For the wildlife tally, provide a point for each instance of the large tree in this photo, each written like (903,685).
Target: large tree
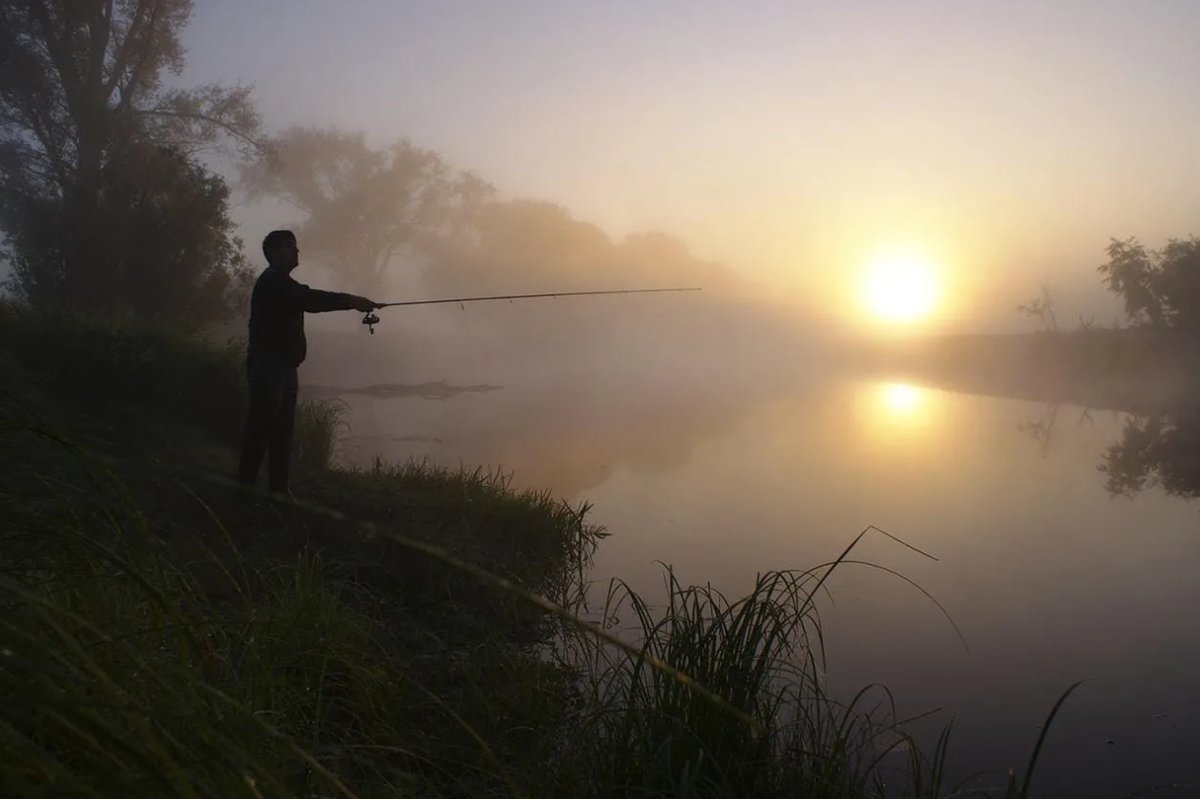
(364,207)
(82,104)
(1160,288)
(163,235)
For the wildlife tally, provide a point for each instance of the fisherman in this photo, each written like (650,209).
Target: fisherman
(277,347)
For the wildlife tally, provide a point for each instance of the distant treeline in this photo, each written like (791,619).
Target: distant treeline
(107,209)
(1133,369)
(1151,365)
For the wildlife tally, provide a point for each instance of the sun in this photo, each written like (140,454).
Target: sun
(900,289)
(900,399)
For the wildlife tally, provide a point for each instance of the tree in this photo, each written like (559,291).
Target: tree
(81,100)
(522,243)
(1160,288)
(1042,308)
(164,236)
(1178,282)
(364,207)
(533,244)
(1130,273)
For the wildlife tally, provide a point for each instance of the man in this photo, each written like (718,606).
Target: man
(277,348)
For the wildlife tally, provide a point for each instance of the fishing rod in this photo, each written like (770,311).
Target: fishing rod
(371,319)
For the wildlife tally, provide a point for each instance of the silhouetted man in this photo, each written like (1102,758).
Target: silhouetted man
(277,348)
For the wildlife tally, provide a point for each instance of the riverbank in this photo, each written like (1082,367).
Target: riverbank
(166,634)
(400,631)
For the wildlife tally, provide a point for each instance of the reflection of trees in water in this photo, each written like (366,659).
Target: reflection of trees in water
(1161,449)
(1041,429)
(1157,449)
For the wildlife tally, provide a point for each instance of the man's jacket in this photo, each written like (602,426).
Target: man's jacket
(277,308)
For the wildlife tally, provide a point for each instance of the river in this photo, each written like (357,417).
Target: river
(1048,576)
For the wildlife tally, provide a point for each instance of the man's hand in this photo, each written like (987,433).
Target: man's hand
(363,305)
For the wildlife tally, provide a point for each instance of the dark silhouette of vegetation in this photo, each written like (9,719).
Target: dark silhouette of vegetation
(162,251)
(102,205)
(1042,308)
(1160,288)
(1161,449)
(364,207)
(1042,429)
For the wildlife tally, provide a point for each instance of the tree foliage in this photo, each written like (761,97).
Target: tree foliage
(523,245)
(364,207)
(163,238)
(1159,288)
(537,245)
(82,108)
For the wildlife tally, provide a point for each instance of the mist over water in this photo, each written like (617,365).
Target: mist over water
(948,288)
(759,449)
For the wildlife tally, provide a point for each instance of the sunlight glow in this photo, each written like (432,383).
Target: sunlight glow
(900,399)
(899,289)
(899,415)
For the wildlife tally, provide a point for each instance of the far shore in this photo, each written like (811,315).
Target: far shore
(1133,370)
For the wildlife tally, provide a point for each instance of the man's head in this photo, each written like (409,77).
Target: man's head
(280,248)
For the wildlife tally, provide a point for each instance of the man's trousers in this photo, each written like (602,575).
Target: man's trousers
(269,422)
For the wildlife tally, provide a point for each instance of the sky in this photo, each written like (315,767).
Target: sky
(999,144)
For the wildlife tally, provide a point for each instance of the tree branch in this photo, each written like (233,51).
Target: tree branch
(121,59)
(232,130)
(135,74)
(60,56)
(99,31)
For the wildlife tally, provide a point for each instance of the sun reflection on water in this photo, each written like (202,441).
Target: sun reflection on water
(900,399)
(899,414)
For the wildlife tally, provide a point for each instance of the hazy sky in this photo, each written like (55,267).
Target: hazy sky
(1004,141)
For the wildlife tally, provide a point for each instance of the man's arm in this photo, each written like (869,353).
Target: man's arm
(317,301)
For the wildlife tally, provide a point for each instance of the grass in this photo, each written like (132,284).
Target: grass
(408,631)
(652,734)
(142,658)
(315,437)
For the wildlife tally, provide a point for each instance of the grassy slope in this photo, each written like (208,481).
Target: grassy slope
(167,634)
(163,634)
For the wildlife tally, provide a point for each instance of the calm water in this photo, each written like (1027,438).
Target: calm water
(1049,578)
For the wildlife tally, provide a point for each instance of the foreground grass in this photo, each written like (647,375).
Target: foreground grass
(408,631)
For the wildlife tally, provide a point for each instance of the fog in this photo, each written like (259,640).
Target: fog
(926,281)
(787,142)
(1026,421)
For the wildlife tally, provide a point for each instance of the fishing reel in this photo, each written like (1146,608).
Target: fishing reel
(370,320)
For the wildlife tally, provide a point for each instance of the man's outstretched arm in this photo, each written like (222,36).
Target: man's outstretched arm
(317,301)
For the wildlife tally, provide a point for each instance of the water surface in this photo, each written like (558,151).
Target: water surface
(1048,576)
